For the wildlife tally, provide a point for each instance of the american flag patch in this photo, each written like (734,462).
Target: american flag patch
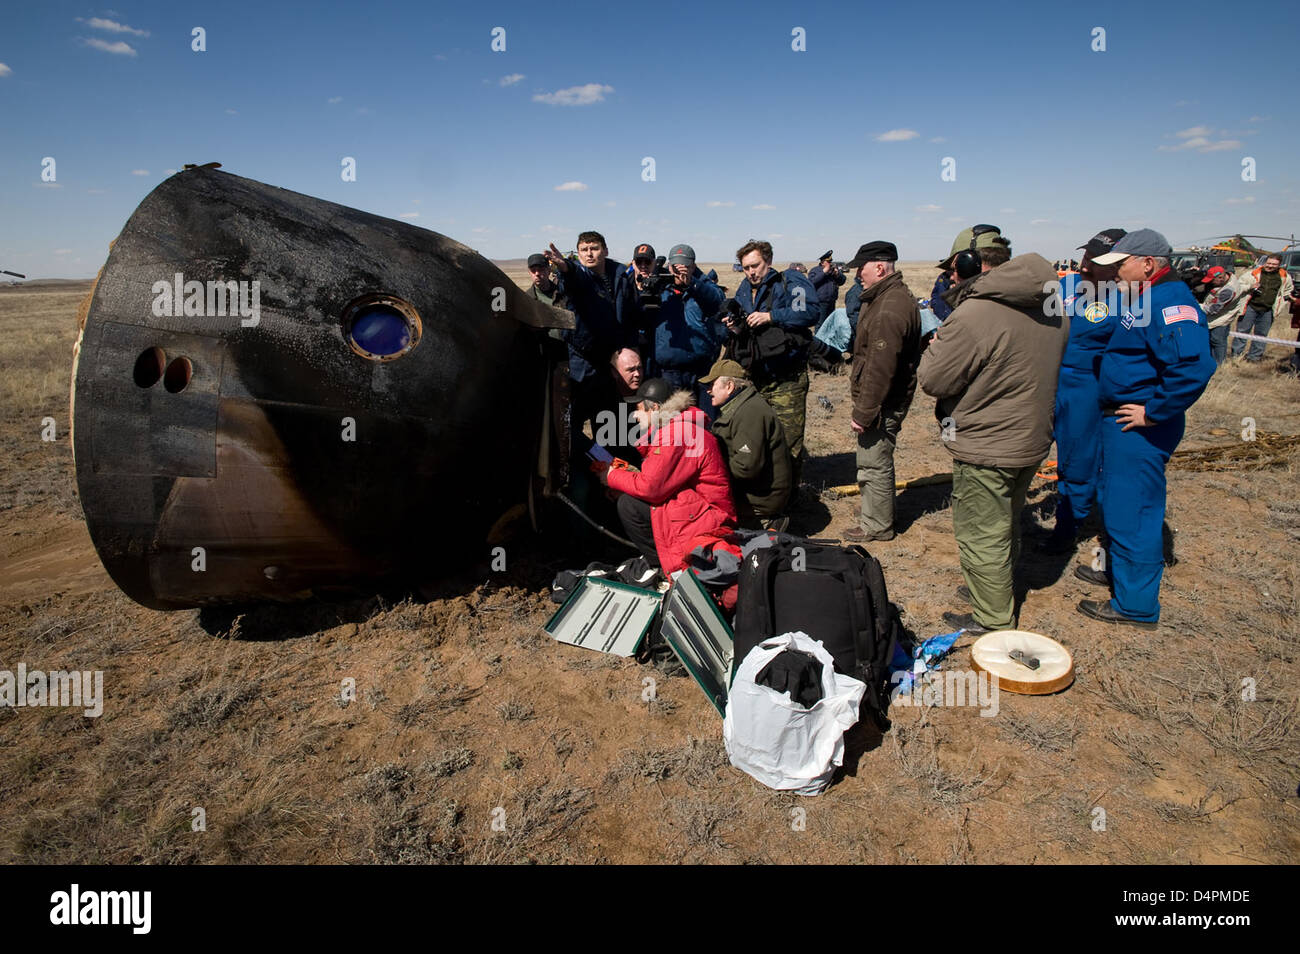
(1179,313)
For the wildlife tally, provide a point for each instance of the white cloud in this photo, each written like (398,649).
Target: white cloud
(481,230)
(169,172)
(1039,221)
(715,204)
(48,185)
(1258,119)
(929,208)
(1248,200)
(364,111)
(897,135)
(571,187)
(776,235)
(510,80)
(232,112)
(4,70)
(139,172)
(63,251)
(939,139)
(610,204)
(111,26)
(762,207)
(409,215)
(1195,138)
(1006,211)
(575,95)
(121,48)
(334,100)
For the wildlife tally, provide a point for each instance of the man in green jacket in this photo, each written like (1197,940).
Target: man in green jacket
(754,446)
(993,366)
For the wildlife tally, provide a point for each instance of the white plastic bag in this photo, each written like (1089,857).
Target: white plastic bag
(778,741)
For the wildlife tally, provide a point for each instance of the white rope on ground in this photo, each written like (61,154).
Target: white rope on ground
(1281,341)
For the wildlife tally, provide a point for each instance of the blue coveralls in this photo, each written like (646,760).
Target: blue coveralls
(1158,356)
(1093,311)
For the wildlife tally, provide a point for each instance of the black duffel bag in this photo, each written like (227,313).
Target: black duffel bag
(836,595)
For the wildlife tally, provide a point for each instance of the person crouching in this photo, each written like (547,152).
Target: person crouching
(753,444)
(682,490)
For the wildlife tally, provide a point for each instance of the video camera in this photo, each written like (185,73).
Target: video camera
(650,289)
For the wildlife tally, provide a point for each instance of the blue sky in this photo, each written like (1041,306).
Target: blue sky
(832,146)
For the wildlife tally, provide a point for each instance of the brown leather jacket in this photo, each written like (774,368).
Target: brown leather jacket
(886,350)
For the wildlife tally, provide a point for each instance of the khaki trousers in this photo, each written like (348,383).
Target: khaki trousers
(986,505)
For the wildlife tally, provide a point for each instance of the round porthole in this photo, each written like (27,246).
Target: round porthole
(149,367)
(381,327)
(178,375)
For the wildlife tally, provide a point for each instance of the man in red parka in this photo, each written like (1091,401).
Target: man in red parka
(682,490)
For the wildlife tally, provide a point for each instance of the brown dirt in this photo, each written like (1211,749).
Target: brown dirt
(466,713)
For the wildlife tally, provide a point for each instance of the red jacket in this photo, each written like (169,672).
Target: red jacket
(684,479)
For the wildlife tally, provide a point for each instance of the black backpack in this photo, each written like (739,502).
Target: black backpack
(838,597)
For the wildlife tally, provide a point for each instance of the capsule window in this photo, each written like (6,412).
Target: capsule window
(178,375)
(381,327)
(149,367)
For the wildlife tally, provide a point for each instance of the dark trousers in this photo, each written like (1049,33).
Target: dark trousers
(635,515)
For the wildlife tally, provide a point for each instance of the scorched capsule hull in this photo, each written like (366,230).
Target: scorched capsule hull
(263,441)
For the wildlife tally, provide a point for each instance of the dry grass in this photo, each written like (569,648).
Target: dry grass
(464,708)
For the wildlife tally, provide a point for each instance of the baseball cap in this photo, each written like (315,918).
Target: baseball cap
(1214,270)
(654,390)
(723,367)
(977,236)
(644,251)
(1142,242)
(1101,243)
(681,255)
(537,258)
(874,252)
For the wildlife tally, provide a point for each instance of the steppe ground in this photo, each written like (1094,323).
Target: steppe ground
(467,713)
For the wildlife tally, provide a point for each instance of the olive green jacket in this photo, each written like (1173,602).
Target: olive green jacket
(757,454)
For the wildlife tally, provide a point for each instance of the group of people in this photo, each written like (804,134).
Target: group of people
(1249,299)
(1105,360)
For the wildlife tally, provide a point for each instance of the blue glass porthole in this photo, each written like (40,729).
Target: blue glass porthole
(381,327)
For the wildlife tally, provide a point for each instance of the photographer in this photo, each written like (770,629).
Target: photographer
(769,325)
(688,335)
(827,278)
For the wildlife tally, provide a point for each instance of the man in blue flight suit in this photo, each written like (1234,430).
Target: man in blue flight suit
(1154,368)
(1091,300)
